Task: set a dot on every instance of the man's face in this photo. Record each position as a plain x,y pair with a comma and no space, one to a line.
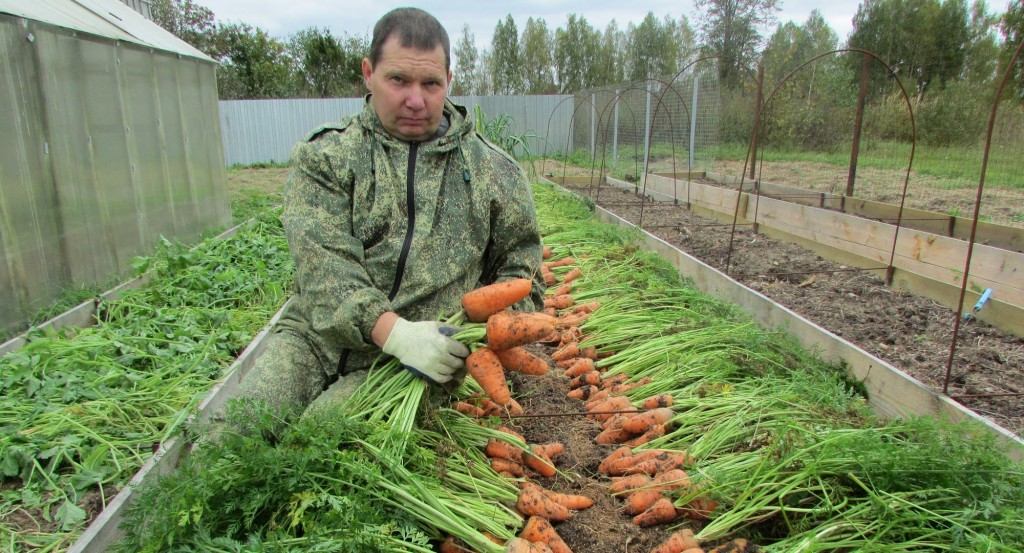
408,88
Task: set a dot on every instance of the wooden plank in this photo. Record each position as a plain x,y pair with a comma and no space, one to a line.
104,530
892,393
927,221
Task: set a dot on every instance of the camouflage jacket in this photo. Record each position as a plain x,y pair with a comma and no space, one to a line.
376,224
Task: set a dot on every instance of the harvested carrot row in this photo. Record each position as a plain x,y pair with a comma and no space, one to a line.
488,300
641,422
660,512
519,545
509,329
539,530
533,502
559,302
580,365
520,360
483,365
572,275
678,542
539,461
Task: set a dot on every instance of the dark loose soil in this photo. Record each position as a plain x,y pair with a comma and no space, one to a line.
910,332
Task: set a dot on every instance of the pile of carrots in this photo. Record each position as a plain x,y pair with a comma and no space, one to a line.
646,479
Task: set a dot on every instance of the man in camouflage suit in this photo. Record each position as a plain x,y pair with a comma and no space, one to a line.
391,216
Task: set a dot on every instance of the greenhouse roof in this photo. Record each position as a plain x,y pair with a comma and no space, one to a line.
107,18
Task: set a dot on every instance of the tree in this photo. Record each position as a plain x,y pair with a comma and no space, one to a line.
1013,33
536,47
982,53
651,49
507,76
466,78
326,65
188,21
730,31
791,45
610,68
922,40
577,48
253,64
686,39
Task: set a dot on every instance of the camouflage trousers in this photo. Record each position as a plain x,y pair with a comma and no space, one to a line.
288,378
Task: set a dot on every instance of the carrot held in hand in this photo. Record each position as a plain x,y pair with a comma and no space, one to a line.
483,365
509,329
488,300
519,360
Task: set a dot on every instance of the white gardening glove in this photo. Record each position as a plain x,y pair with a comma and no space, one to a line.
426,350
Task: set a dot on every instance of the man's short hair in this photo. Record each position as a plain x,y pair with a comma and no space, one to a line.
416,29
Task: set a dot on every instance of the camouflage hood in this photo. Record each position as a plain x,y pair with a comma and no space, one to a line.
376,224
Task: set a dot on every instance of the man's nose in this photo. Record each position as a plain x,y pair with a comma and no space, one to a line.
415,99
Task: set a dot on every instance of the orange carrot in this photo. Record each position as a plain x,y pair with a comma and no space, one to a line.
490,408
588,307
676,460
694,550
737,545
671,480
560,262
653,432
549,278
613,436
622,484
514,408
538,460
641,422
592,378
569,350
559,302
616,380
572,319
553,338
511,432
660,400
661,512
678,542
564,289
579,366
645,461
620,453
509,329
553,448
533,502
602,410
572,275
503,450
574,502
483,365
511,467
520,360
488,300
468,409
539,530
625,387
641,500
452,546
545,252
699,508
585,392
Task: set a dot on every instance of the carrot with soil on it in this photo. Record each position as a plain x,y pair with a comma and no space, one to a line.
652,433
483,365
488,300
661,512
654,402
520,360
499,449
678,542
623,484
468,409
552,448
584,393
592,378
641,500
539,461
509,329
539,530
671,480
533,502
519,545
562,262
505,465
641,422
563,289
572,275
588,307
580,365
559,302
545,252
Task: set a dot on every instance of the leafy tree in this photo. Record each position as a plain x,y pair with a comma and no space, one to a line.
652,49
188,21
326,65
982,53
1013,34
577,48
731,31
686,39
253,64
792,45
466,78
536,46
610,68
924,41
507,76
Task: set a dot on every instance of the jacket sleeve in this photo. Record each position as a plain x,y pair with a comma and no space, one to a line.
515,247
337,294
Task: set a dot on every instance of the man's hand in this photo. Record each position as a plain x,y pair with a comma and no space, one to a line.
426,349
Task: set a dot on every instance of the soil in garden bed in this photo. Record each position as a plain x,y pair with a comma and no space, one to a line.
910,332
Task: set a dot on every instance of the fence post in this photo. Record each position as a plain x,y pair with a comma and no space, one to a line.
615,132
693,124
647,127
857,123
593,125
757,121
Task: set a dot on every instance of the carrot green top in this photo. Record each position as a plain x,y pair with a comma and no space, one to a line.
376,224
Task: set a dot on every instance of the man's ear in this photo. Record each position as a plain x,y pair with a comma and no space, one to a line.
367,71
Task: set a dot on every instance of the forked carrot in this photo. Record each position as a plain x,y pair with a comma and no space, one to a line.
509,329
533,502
678,542
488,300
483,365
641,422
660,512
539,530
520,360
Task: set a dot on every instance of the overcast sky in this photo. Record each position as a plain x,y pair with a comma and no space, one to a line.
356,17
